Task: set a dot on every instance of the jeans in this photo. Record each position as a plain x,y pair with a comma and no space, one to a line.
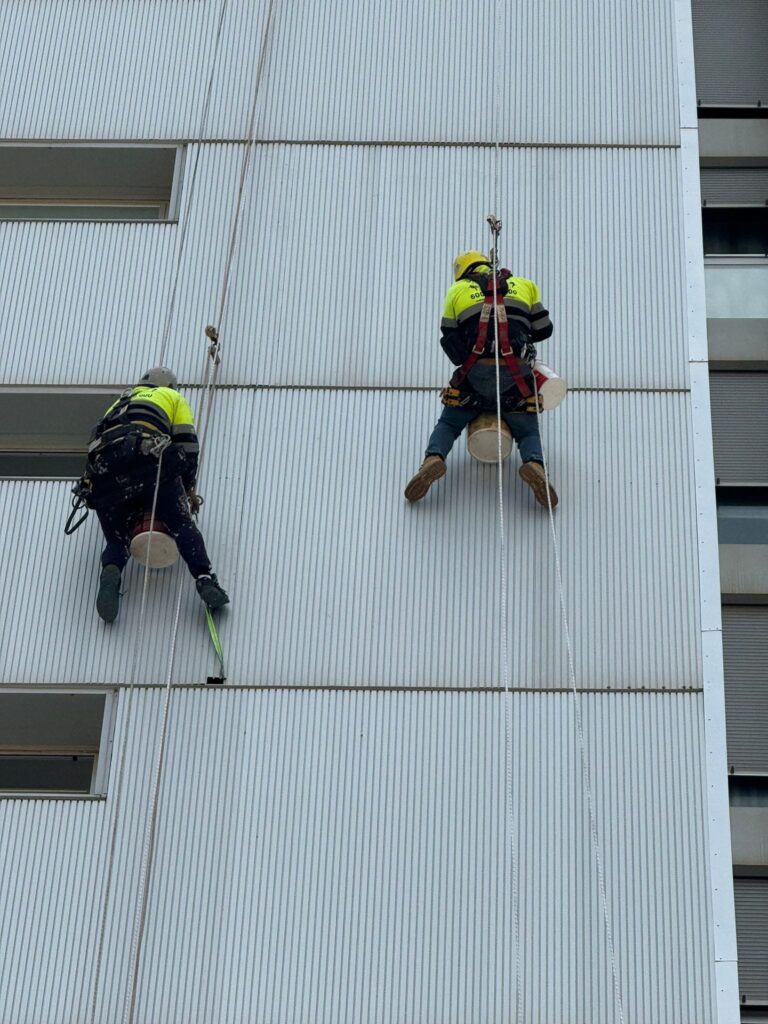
524,426
118,521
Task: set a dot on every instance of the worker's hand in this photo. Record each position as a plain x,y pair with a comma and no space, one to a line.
195,501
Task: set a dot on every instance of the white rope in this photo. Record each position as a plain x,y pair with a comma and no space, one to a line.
142,614
214,351
147,859
121,761
191,190
585,765
511,829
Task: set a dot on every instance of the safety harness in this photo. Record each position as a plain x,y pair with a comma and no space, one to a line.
121,440
453,393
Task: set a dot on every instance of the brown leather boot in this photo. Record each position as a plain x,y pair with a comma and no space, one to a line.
534,476
431,469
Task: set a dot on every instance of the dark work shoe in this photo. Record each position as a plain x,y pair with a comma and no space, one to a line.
208,588
108,600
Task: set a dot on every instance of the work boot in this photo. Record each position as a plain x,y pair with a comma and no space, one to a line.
431,469
208,588
534,476
108,600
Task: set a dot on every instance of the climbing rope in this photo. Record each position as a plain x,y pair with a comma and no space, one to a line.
586,771
147,858
511,829
191,191
212,368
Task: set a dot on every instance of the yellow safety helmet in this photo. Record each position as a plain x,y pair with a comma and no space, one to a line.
465,261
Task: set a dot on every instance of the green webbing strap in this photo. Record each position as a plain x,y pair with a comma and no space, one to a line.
215,640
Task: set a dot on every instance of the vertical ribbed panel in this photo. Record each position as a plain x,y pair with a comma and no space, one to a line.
729,43
596,229
745,651
345,857
586,225
572,71
90,300
752,926
740,426
118,69
336,581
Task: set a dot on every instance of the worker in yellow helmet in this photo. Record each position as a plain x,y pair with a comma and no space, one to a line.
470,345
148,422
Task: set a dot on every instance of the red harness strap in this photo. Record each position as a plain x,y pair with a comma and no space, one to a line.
505,349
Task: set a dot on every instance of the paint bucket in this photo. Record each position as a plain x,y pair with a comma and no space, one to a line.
483,438
552,389
158,554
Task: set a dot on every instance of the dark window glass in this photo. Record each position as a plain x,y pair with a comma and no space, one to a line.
735,231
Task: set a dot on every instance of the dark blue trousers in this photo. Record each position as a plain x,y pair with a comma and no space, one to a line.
119,519
524,426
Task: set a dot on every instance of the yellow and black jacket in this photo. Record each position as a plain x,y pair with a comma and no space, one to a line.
151,410
528,319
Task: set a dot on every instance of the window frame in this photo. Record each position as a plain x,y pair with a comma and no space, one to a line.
102,757
168,209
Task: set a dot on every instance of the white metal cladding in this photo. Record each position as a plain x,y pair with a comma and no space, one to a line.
116,69
373,231
745,651
329,857
336,581
572,71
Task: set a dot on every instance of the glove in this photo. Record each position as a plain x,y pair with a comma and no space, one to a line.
195,501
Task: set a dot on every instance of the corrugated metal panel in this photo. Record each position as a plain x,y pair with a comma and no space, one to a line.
576,72
336,581
745,651
597,229
345,857
740,426
95,55
90,300
729,44
752,925
573,71
734,185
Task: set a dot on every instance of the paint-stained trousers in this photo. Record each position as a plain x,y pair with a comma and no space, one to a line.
118,521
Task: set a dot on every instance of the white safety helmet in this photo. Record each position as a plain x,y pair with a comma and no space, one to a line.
161,377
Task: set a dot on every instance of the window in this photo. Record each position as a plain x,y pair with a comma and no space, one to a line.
734,210
90,182
55,743
45,434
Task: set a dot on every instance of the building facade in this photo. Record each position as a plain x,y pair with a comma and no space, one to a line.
379,815
732,85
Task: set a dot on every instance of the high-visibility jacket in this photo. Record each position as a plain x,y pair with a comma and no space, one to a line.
152,411
528,319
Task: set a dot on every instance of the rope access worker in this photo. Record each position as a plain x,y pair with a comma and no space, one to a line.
148,422
468,339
